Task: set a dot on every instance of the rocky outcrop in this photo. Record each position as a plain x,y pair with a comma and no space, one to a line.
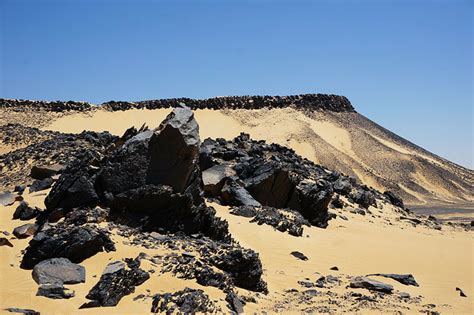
304,101
116,282
187,301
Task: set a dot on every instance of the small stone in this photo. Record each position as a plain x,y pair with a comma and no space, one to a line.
299,255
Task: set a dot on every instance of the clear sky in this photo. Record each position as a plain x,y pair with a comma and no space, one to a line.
407,65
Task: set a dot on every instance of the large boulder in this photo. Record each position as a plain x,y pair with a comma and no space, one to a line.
116,282
214,178
25,212
44,171
370,284
75,243
311,199
58,270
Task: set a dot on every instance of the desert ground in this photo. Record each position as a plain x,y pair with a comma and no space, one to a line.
440,256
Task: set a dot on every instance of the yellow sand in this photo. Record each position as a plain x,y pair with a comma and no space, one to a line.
439,260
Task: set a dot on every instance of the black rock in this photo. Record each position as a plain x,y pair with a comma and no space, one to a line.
235,195
214,178
187,301
364,198
25,230
461,292
25,212
5,242
24,311
334,268
44,171
236,304
312,200
41,184
73,242
343,186
394,199
54,291
373,285
58,270
115,283
299,255
8,198
406,279
244,211
19,189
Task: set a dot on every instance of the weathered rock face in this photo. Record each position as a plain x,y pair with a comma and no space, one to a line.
75,243
152,173
58,270
187,301
25,212
370,284
116,282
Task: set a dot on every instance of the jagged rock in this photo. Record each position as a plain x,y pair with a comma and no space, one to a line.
8,198
342,186
115,283
19,189
24,311
244,266
284,220
234,194
334,268
364,198
327,281
299,255
41,184
187,301
177,166
338,203
236,304
54,291
5,242
214,177
312,200
73,242
394,199
44,171
270,186
58,270
461,292
406,279
25,212
25,230
373,285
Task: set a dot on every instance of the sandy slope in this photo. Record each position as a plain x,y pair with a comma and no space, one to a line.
347,142
439,260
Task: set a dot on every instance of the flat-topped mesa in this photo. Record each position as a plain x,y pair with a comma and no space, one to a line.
311,102
53,106
329,102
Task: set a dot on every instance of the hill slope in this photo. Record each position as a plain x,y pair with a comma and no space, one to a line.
322,128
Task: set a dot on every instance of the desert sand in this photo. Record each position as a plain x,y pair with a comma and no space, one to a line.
440,260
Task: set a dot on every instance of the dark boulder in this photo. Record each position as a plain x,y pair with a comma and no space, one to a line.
311,199
299,255
174,151
24,311
364,198
41,184
342,186
270,186
235,195
214,178
115,283
54,291
44,171
8,198
5,242
373,285
406,279
394,199
25,212
25,230
58,270
73,242
235,303
187,301
461,292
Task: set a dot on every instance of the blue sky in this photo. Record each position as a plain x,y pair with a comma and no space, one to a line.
407,65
